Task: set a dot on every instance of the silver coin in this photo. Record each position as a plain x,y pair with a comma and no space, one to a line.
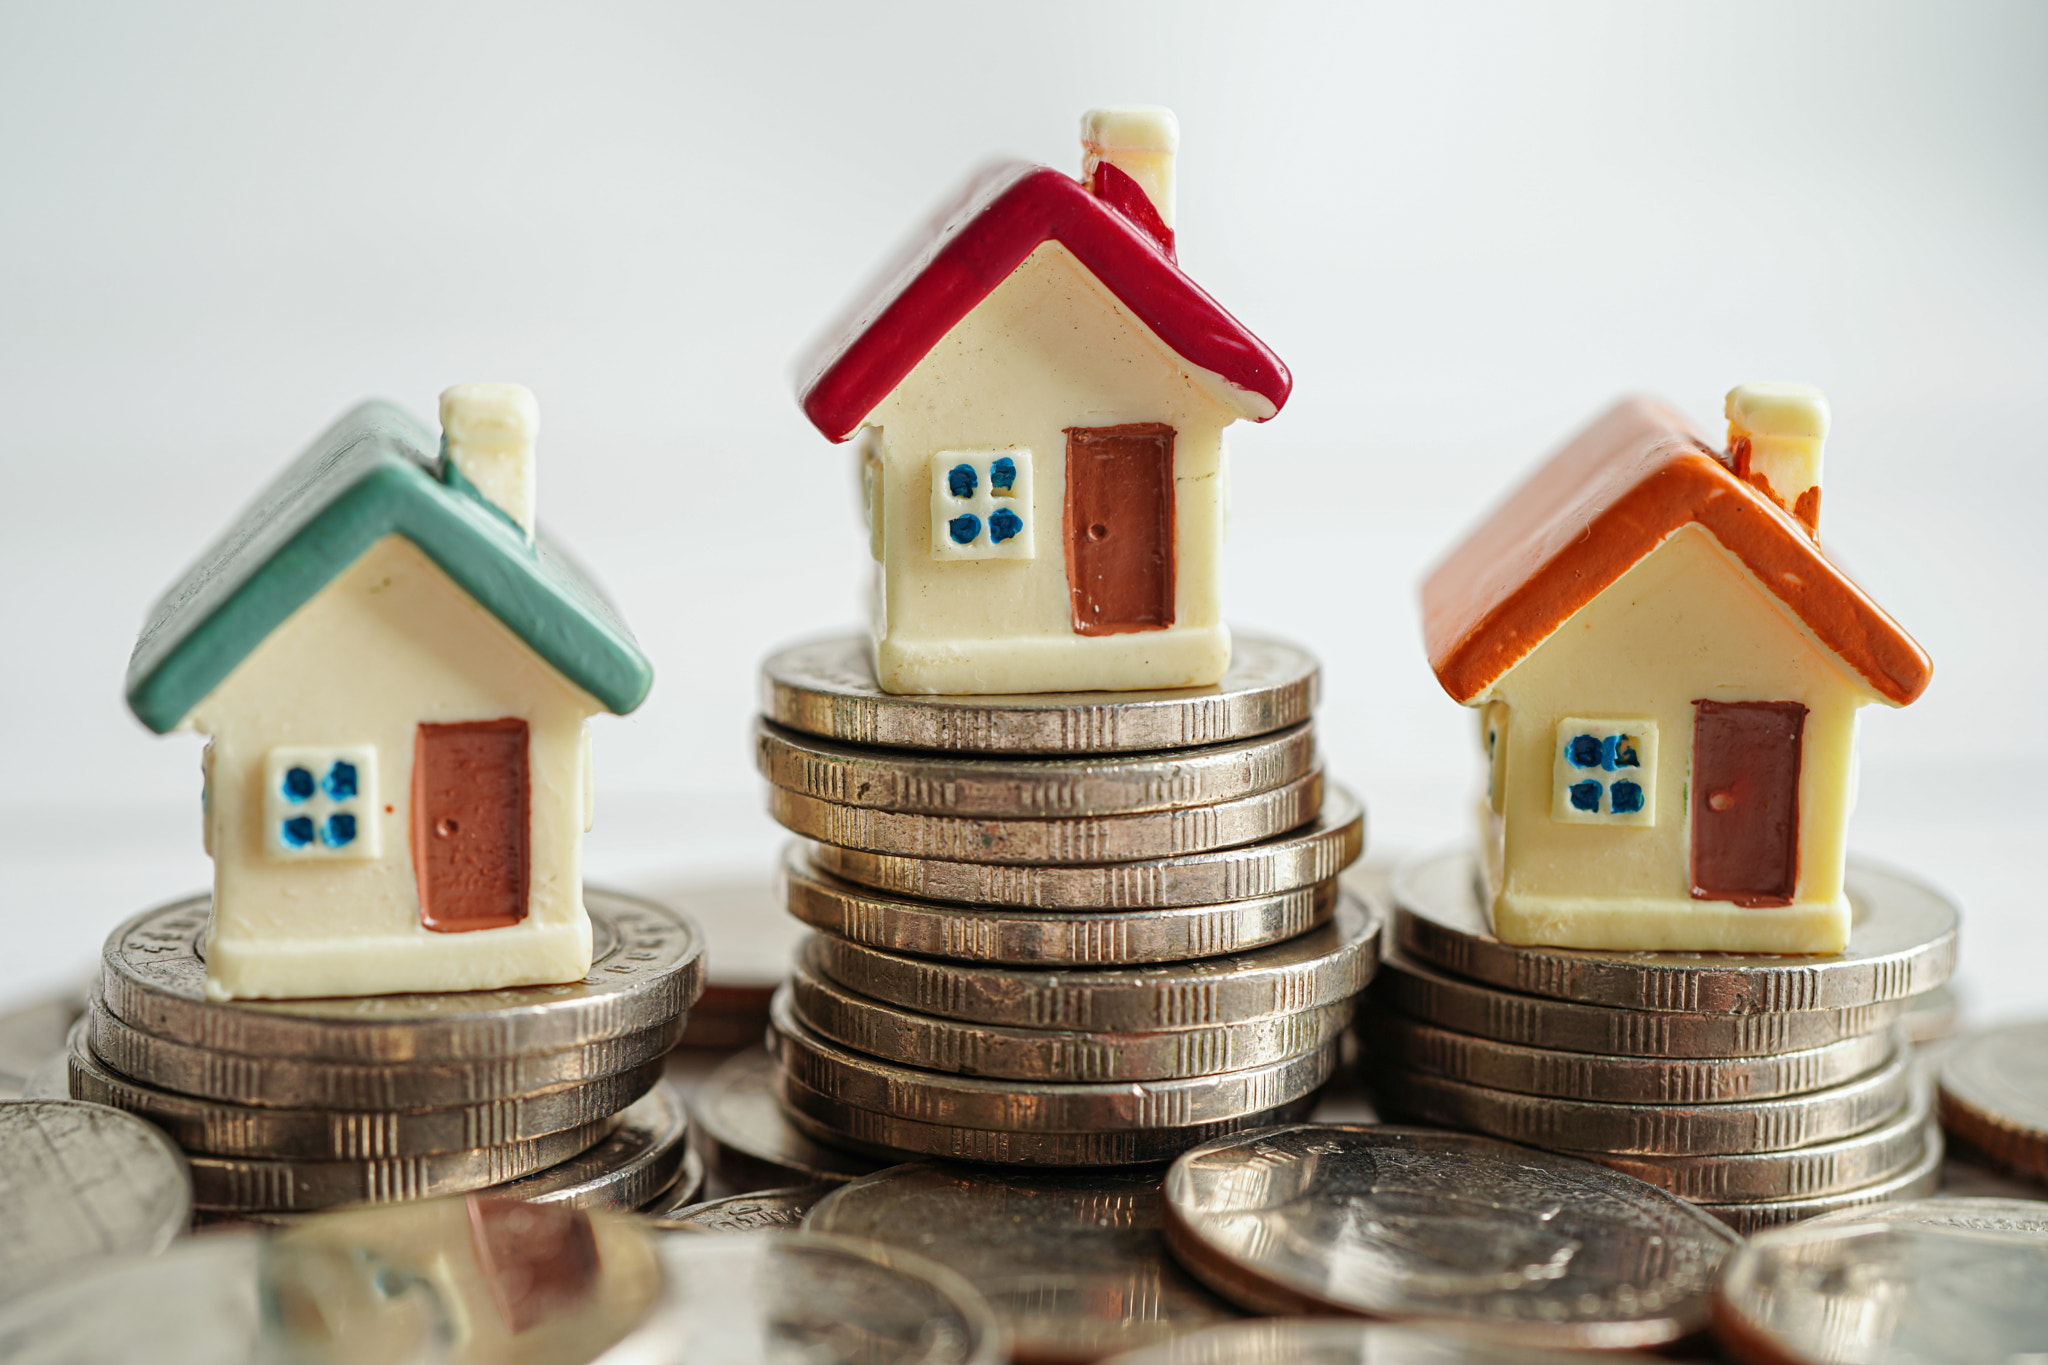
761,1211
1308,1341
1046,938
296,1083
828,1119
1621,1080
934,1044
1532,1248
199,1303
1933,1016
1074,1265
827,688
747,1141
1422,992
1874,1290
1323,967
80,1181
1994,1094
1902,942
2026,1216
1314,853
31,1034
1917,1181
647,968
51,1080
639,1158
222,1129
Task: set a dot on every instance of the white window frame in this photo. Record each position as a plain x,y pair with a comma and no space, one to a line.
1614,740
985,504
281,803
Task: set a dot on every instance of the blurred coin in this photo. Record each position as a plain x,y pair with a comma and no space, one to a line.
198,1304
750,1297
1622,1080
1917,1181
641,1156
1422,992
51,1080
1044,938
79,1181
1329,1341
922,1040
1994,1094
646,968
2028,1216
827,688
1073,1265
1902,941
761,1211
1323,967
1314,853
749,1144
1873,1290
31,1034
1536,1249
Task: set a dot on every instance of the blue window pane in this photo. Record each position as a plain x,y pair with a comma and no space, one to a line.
298,784
1585,796
1002,475
1584,752
964,528
1002,524
1626,796
298,831
961,480
1619,751
339,830
340,781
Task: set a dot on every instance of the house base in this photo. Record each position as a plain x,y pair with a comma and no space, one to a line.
1180,656
527,954
1670,924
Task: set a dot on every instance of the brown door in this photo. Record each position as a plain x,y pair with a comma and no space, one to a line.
1120,527
1745,801
470,824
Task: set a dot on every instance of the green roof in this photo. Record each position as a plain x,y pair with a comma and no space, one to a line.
376,472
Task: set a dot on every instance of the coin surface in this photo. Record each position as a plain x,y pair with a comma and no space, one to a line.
748,1142
1874,1290
828,688
1323,967
761,1211
934,1044
1074,1265
1917,1181
197,1303
1423,992
1327,1341
2028,1216
80,1181
1621,1080
643,1155
646,968
1537,1249
1994,1093
1902,942
1316,852
31,1034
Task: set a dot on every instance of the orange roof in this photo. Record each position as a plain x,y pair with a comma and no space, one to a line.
1597,508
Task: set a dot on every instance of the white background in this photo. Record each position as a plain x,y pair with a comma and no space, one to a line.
1466,228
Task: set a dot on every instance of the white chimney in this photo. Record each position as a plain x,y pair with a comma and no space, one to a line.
1139,140
1775,436
487,431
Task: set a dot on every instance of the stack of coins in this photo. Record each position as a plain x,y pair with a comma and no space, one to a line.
1766,1088
292,1105
1060,930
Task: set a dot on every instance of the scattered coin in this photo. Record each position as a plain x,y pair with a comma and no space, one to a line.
1536,1249
80,1181
1994,1094
1046,938
1310,1341
31,1034
828,688
1073,1265
1314,853
749,1144
644,1154
196,1304
1917,1181
2027,1216
761,1211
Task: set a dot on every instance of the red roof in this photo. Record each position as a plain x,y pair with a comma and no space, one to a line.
1597,508
1009,212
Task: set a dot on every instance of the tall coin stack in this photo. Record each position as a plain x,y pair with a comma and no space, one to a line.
1766,1089
1058,930
293,1105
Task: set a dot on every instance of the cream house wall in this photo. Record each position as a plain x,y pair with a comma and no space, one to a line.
392,642
1049,348
1686,623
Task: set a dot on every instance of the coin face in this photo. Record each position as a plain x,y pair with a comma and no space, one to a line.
1994,1093
827,688
1304,1341
80,1181
761,1211
1875,1290
639,1158
1074,1265
1537,1249
748,1143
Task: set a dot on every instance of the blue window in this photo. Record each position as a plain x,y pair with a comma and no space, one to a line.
1585,752
1585,796
298,784
298,831
964,528
1003,523
338,830
1002,476
961,480
1626,797
340,782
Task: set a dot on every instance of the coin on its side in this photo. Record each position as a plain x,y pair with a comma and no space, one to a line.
640,1157
761,1211
1323,967
1917,1181
646,968
828,688
1074,1265
977,786
1533,1248
1331,1341
1994,1094
748,1142
1046,938
1902,941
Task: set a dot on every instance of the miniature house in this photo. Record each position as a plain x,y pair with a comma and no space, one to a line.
1041,396
394,677
1668,671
